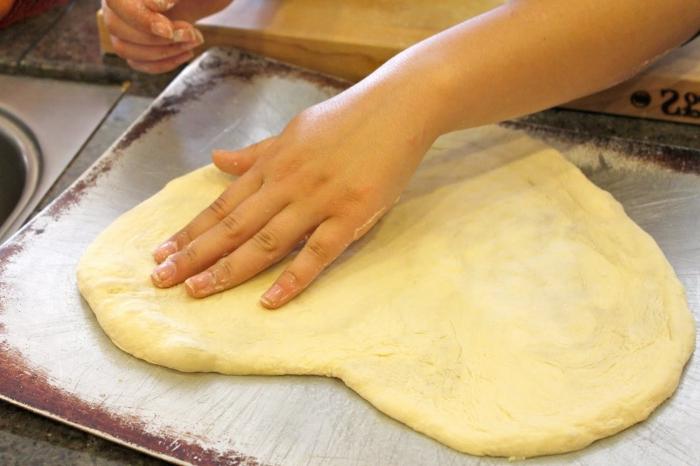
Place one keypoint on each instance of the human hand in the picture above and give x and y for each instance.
(156, 36)
(326, 179)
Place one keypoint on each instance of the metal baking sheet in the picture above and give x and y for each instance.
(55, 360)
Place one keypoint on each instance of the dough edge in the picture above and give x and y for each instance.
(536, 444)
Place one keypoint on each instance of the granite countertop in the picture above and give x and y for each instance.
(63, 44)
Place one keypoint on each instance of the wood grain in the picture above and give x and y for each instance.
(348, 39)
(668, 90)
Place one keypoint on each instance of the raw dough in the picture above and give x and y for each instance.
(506, 306)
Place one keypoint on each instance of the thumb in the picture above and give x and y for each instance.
(237, 162)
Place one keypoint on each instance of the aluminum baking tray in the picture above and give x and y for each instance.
(55, 360)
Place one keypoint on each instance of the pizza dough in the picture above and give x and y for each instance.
(506, 306)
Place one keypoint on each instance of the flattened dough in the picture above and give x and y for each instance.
(506, 306)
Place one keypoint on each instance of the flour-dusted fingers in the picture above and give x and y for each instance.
(221, 239)
(336, 168)
(232, 197)
(324, 246)
(182, 31)
(118, 28)
(185, 32)
(159, 5)
(147, 53)
(270, 244)
(161, 66)
(237, 162)
(137, 15)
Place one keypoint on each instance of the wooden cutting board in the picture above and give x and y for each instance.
(343, 38)
(351, 38)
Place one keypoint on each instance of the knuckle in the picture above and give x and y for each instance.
(291, 277)
(231, 225)
(280, 171)
(182, 238)
(219, 208)
(316, 182)
(266, 240)
(190, 253)
(354, 196)
(257, 149)
(223, 272)
(319, 250)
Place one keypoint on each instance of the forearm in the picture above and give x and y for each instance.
(529, 55)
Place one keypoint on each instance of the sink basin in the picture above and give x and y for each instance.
(19, 171)
(43, 125)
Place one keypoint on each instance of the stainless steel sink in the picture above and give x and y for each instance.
(43, 125)
(20, 166)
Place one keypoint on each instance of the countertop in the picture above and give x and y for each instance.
(63, 44)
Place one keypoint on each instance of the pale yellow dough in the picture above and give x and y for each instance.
(506, 306)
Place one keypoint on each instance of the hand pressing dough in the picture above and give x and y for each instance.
(506, 306)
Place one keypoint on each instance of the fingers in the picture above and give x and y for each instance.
(145, 53)
(185, 32)
(142, 49)
(138, 16)
(222, 206)
(118, 28)
(270, 244)
(234, 162)
(161, 66)
(159, 5)
(323, 247)
(237, 162)
(227, 235)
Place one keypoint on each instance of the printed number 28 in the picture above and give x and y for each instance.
(672, 104)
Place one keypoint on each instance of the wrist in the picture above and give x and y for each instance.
(417, 88)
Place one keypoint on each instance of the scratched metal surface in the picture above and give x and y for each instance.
(54, 358)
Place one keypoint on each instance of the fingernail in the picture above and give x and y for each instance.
(162, 29)
(184, 35)
(164, 273)
(200, 38)
(164, 4)
(165, 249)
(273, 296)
(200, 284)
